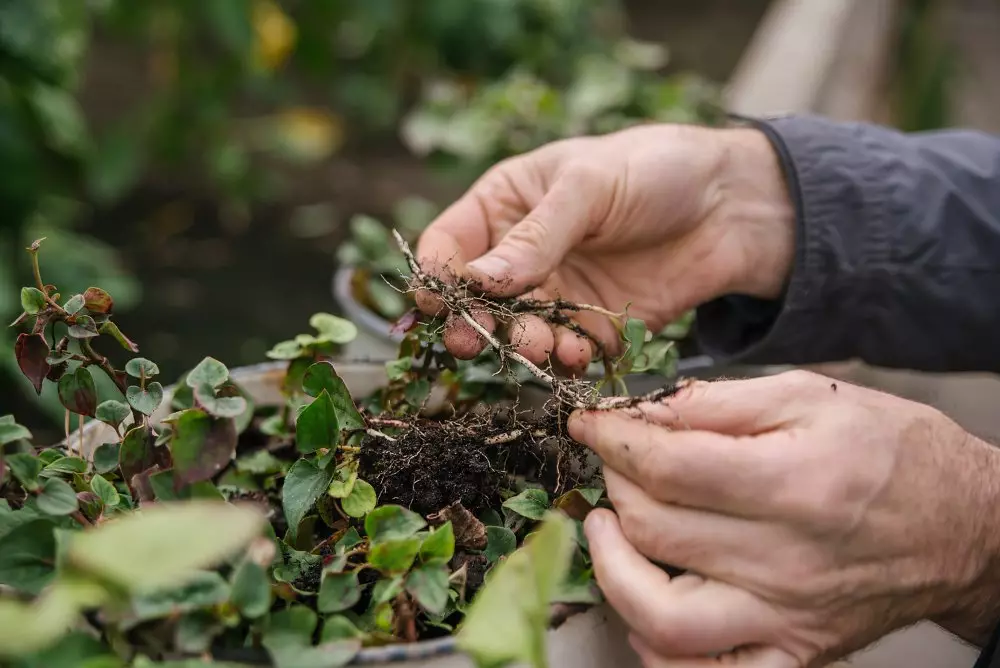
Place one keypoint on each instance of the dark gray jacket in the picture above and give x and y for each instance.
(897, 257)
(897, 253)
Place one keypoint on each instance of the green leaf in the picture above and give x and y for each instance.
(78, 393)
(203, 589)
(111, 329)
(416, 393)
(316, 426)
(508, 620)
(32, 300)
(360, 501)
(337, 628)
(10, 431)
(68, 465)
(333, 329)
(164, 545)
(429, 585)
(338, 592)
(77, 649)
(439, 545)
(105, 490)
(209, 371)
(394, 556)
(83, 328)
(28, 557)
(261, 462)
(112, 412)
(106, 457)
(288, 639)
(140, 367)
(397, 369)
(219, 406)
(501, 541)
(286, 350)
(296, 565)
(136, 453)
(387, 589)
(146, 401)
(304, 484)
(231, 22)
(350, 538)
(392, 522)
(74, 305)
(591, 494)
(635, 336)
(251, 590)
(201, 447)
(26, 468)
(531, 503)
(57, 498)
(322, 376)
(344, 479)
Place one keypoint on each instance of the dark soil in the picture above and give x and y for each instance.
(434, 465)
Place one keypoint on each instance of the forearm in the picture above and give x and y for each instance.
(896, 253)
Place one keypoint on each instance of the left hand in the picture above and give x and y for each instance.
(818, 516)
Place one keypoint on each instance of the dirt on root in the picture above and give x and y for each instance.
(436, 464)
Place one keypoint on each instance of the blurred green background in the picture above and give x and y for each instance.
(203, 160)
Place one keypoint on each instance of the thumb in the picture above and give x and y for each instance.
(536, 246)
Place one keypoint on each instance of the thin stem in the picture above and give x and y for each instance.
(36, 270)
(79, 517)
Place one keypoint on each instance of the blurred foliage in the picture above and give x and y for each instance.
(926, 66)
(223, 96)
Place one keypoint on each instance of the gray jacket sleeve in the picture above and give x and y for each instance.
(897, 253)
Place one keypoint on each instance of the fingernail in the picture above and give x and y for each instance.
(595, 523)
(492, 266)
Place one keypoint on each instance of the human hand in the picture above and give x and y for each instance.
(815, 517)
(662, 217)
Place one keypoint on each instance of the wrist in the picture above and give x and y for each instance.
(756, 205)
(971, 607)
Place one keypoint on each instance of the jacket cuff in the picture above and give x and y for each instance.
(833, 182)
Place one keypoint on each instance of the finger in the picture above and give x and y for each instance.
(741, 407)
(744, 657)
(700, 469)
(461, 231)
(573, 352)
(719, 546)
(536, 245)
(692, 621)
(462, 339)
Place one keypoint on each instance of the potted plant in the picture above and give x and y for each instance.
(272, 516)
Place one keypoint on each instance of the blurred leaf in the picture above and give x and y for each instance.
(57, 498)
(164, 545)
(394, 556)
(27, 560)
(501, 542)
(439, 546)
(106, 457)
(251, 590)
(429, 585)
(338, 592)
(11, 431)
(209, 371)
(136, 453)
(230, 19)
(203, 589)
(25, 468)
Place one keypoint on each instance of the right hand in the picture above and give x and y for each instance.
(659, 218)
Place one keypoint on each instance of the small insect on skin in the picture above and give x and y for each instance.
(833, 386)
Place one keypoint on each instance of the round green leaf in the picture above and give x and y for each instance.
(360, 501)
(339, 627)
(105, 490)
(74, 305)
(394, 556)
(78, 393)
(27, 560)
(209, 371)
(338, 592)
(344, 479)
(83, 328)
(140, 367)
(531, 503)
(429, 585)
(500, 542)
(112, 412)
(57, 498)
(440, 544)
(286, 350)
(222, 407)
(201, 447)
(11, 431)
(106, 457)
(32, 300)
(333, 329)
(146, 401)
(26, 469)
(68, 465)
(392, 522)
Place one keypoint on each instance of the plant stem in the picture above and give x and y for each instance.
(79, 517)
(105, 366)
(36, 270)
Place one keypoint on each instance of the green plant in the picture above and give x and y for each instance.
(209, 531)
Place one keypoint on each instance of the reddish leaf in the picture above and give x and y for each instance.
(57, 372)
(406, 322)
(201, 447)
(31, 351)
(136, 454)
(98, 301)
(78, 393)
